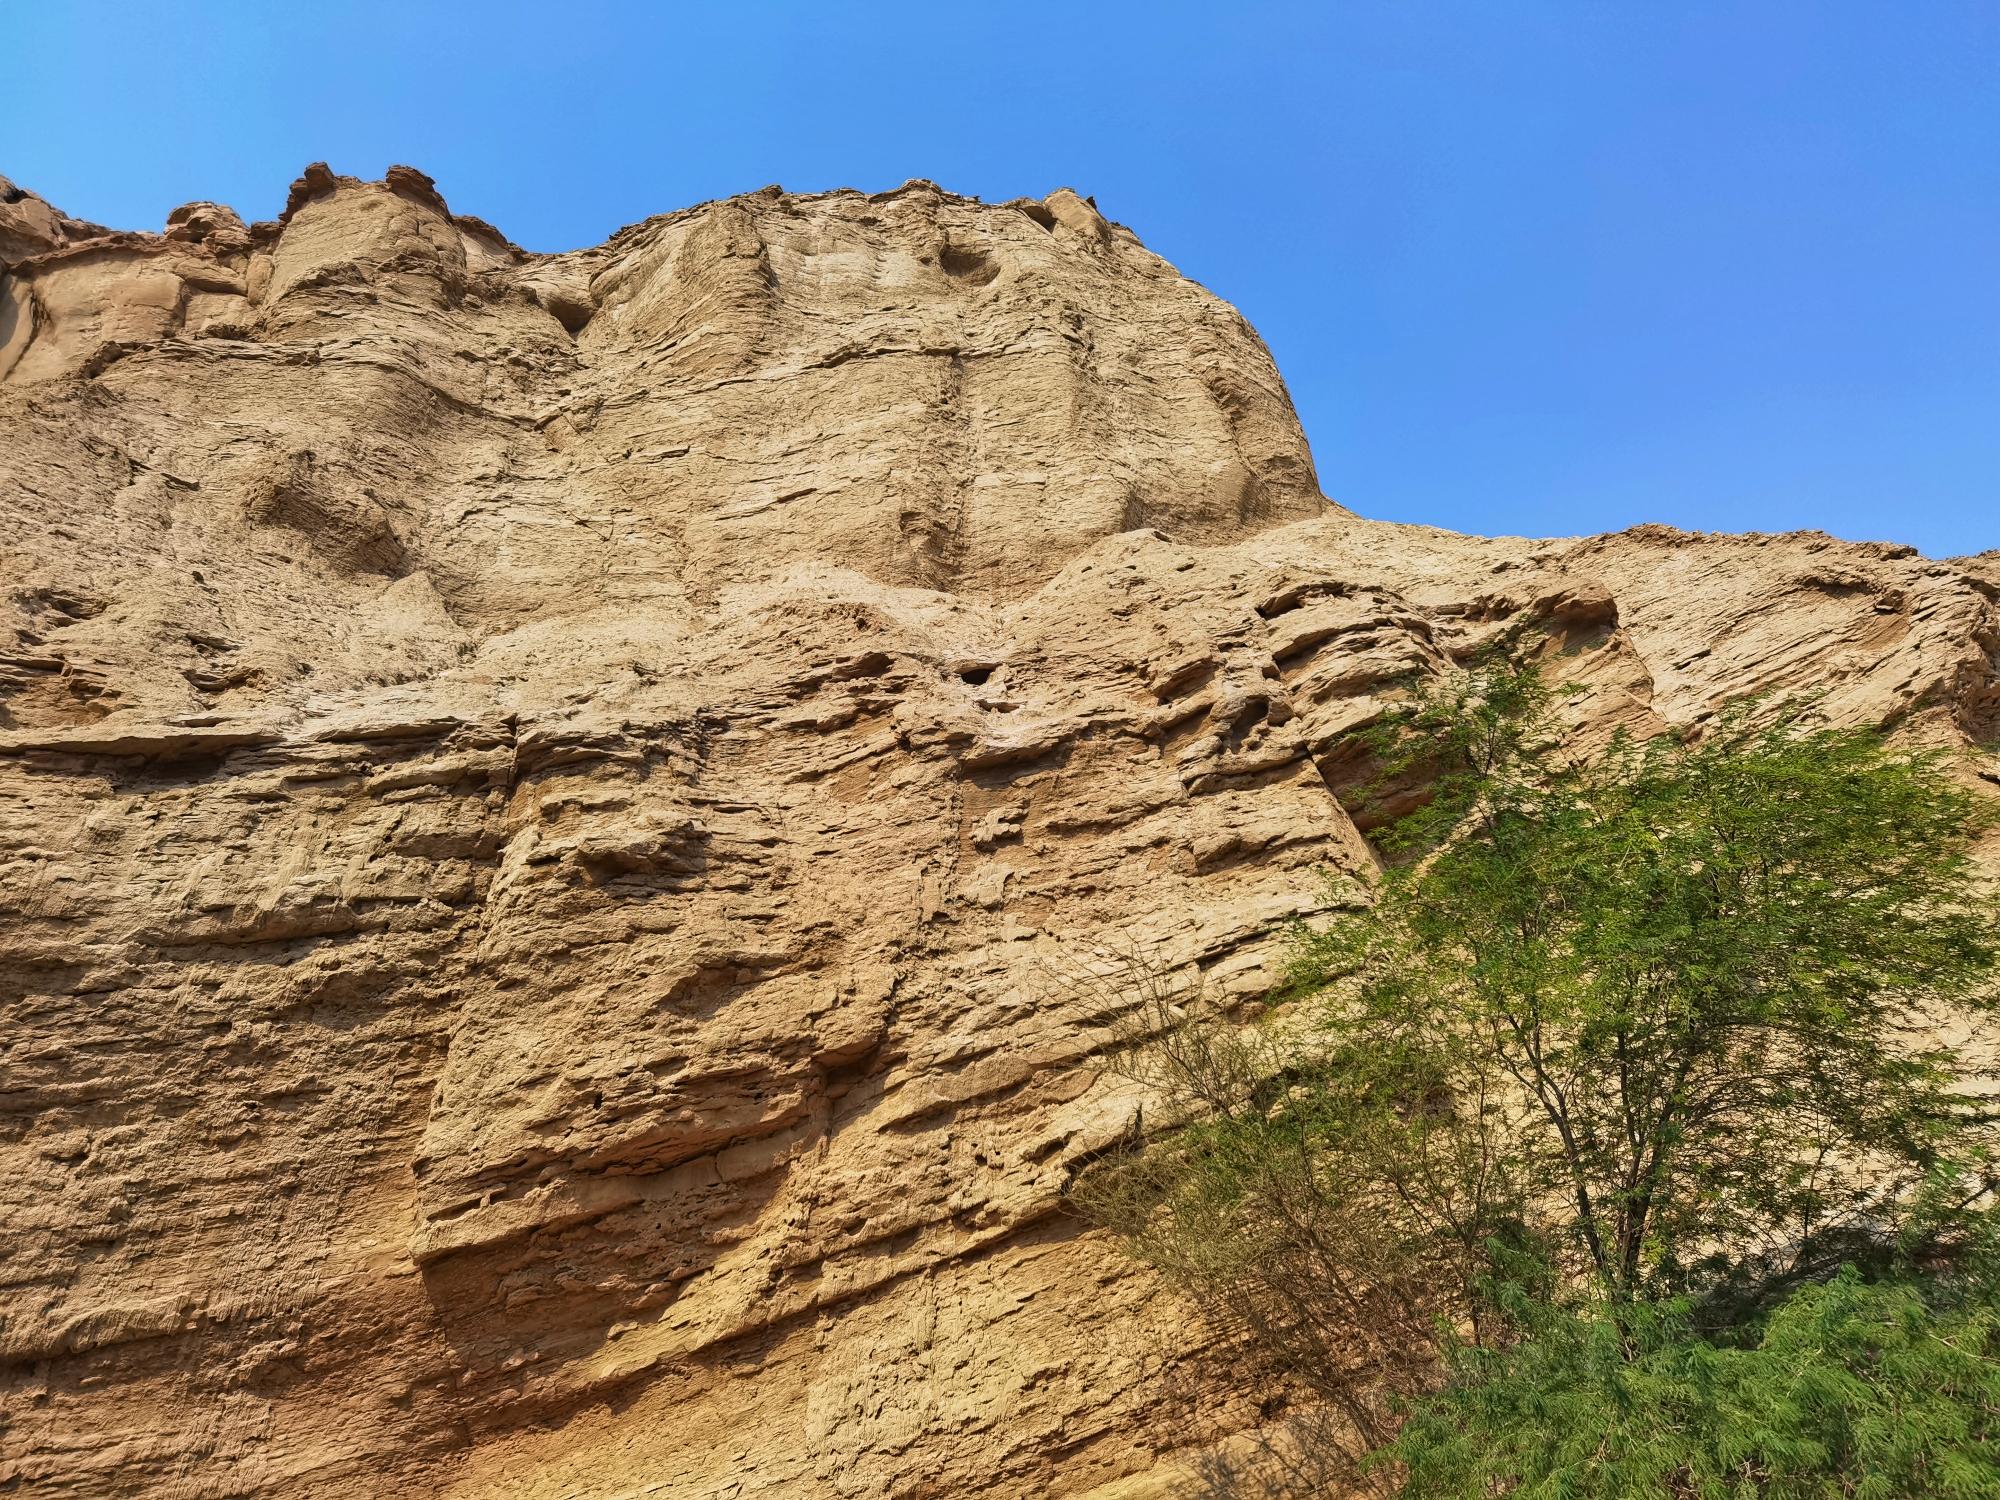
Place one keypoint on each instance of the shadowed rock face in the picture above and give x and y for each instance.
(546, 797)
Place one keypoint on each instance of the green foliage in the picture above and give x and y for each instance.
(1687, 995)
(1850, 1389)
(1618, 1053)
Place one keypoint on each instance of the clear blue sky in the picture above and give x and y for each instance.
(1528, 267)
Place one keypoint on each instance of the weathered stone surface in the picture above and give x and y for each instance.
(541, 795)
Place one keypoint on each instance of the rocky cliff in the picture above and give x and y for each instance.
(545, 803)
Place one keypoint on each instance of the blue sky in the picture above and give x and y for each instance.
(1528, 267)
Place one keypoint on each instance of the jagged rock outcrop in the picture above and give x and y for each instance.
(547, 799)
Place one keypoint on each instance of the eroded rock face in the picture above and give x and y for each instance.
(547, 799)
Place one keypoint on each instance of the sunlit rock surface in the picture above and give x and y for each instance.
(545, 803)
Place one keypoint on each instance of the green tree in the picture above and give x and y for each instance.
(1849, 1390)
(1661, 1024)
(1689, 994)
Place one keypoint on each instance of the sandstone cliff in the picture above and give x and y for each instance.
(539, 796)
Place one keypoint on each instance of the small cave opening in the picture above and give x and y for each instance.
(967, 263)
(975, 675)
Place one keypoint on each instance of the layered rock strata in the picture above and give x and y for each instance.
(549, 802)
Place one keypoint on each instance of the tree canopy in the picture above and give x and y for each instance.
(1620, 1056)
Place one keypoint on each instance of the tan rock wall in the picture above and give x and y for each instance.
(545, 799)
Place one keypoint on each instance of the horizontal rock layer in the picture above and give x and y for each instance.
(553, 804)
